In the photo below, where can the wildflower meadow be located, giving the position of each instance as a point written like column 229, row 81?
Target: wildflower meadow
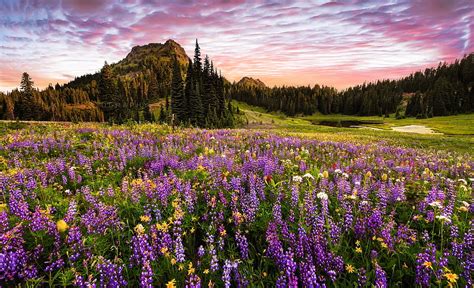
column 141, row 206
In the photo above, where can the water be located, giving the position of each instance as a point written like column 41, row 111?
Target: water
column 347, row 123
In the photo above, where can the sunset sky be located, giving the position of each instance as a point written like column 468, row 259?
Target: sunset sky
column 335, row 43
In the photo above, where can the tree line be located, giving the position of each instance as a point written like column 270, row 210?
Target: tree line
column 444, row 90
column 196, row 94
column 51, row 104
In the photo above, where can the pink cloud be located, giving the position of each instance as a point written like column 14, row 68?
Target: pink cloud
column 338, row 43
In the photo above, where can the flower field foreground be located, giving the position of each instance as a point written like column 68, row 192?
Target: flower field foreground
column 90, row 206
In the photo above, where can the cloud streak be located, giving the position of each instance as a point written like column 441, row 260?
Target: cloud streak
column 337, row 43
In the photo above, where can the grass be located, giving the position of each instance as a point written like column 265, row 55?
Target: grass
column 458, row 131
column 451, row 125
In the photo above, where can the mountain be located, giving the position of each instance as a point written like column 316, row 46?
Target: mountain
column 143, row 77
column 251, row 82
column 151, row 55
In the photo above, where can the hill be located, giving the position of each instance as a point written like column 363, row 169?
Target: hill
column 251, row 82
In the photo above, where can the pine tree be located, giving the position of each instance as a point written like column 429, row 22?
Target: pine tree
column 197, row 99
column 107, row 94
column 197, row 64
column 194, row 101
column 207, row 89
column 153, row 92
column 25, row 109
column 220, row 95
column 177, row 94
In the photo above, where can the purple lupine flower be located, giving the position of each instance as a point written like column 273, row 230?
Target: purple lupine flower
column 71, row 212
column 243, row 244
column 110, row 274
column 425, row 263
column 81, row 282
column 380, row 277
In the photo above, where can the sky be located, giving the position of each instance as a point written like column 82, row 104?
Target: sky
column 294, row 42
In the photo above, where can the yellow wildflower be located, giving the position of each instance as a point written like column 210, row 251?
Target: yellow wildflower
column 173, row 261
column 428, row 264
column 171, row 284
column 139, row 229
column 163, row 227
column 384, row 177
column 181, row 267
column 206, row 271
column 350, row 268
column 462, row 209
column 191, row 271
column 62, row 226
column 368, row 174
column 452, row 278
column 358, row 250
column 325, row 174
column 3, row 207
column 145, row 218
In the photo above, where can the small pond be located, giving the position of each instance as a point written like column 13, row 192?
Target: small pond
column 347, row 123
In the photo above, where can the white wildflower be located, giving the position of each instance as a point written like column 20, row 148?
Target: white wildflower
column 307, row 175
column 462, row 181
column 443, row 218
column 322, row 196
column 297, row 179
column 436, row 204
column 351, row 197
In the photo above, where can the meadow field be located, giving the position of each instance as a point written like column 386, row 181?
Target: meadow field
column 289, row 204
column 452, row 133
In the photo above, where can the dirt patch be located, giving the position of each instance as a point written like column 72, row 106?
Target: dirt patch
column 419, row 129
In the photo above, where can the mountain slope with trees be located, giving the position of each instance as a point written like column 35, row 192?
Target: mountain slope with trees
column 193, row 92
